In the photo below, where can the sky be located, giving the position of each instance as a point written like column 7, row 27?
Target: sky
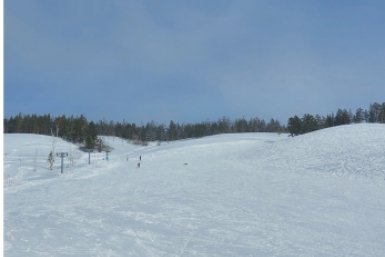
column 192, row 61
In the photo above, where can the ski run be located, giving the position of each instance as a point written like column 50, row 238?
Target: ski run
column 252, row 194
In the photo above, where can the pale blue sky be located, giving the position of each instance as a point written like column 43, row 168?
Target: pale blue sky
column 192, row 61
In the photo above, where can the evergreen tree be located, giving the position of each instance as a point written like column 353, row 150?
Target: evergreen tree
column 274, row 126
column 294, row 125
column 241, row 125
column 329, row 121
column 375, row 112
column 91, row 135
column 342, row 117
column 359, row 116
column 309, row 123
column 172, row 131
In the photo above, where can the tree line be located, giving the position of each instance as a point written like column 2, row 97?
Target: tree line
column 73, row 129
column 309, row 122
column 79, row 130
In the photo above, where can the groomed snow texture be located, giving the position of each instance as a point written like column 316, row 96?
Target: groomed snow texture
column 254, row 194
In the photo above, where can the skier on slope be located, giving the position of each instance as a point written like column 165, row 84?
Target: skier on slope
column 140, row 159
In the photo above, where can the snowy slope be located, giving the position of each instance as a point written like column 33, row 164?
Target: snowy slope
column 320, row 194
column 343, row 150
column 26, row 154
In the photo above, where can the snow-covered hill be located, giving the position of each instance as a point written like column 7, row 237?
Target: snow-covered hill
column 255, row 194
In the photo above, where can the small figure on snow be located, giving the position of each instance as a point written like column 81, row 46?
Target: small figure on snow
column 140, row 160
column 51, row 160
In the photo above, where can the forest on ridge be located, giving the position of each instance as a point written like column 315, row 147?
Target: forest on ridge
column 78, row 129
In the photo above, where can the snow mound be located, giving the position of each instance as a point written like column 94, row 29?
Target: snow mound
column 349, row 150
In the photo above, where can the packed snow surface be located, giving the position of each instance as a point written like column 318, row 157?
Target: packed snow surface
column 254, row 194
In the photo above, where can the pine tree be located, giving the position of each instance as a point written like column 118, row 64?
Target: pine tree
column 359, row 116
column 91, row 135
column 294, row 125
column 342, row 117
column 309, row 123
